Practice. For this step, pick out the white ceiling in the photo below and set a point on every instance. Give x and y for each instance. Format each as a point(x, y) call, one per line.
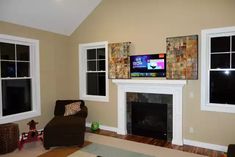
point(58, 16)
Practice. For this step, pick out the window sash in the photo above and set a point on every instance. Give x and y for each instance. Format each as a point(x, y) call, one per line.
point(84, 70)
point(21, 90)
point(206, 35)
point(33, 76)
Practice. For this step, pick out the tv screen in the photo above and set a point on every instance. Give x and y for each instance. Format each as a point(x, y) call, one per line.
point(148, 65)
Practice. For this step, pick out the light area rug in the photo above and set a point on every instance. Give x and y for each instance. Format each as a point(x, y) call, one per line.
point(63, 151)
point(95, 149)
point(36, 149)
point(113, 147)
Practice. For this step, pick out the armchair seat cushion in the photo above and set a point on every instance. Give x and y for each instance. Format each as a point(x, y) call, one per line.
point(68, 124)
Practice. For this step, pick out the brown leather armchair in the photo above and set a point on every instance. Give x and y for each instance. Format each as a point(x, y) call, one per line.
point(65, 130)
point(231, 150)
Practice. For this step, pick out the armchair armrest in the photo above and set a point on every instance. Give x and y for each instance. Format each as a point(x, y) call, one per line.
point(83, 112)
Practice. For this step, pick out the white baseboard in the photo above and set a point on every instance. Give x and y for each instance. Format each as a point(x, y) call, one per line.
point(103, 127)
point(206, 145)
point(185, 141)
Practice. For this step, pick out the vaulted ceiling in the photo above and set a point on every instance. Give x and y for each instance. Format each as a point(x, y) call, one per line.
point(58, 16)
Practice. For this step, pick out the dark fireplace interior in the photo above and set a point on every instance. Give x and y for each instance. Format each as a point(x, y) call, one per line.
point(149, 115)
point(149, 119)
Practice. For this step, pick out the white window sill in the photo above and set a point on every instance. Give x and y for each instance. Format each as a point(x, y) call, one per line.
point(95, 98)
point(19, 116)
point(218, 108)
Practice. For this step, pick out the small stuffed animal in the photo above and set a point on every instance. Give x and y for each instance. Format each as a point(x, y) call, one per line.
point(32, 128)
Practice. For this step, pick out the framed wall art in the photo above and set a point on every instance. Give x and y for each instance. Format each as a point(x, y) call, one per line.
point(182, 57)
point(119, 60)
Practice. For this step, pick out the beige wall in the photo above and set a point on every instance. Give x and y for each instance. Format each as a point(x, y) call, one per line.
point(53, 68)
point(147, 23)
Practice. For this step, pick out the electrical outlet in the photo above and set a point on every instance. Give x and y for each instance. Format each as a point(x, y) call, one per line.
point(191, 130)
point(191, 95)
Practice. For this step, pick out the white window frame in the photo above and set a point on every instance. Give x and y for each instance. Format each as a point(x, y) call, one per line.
point(35, 78)
point(205, 69)
point(82, 54)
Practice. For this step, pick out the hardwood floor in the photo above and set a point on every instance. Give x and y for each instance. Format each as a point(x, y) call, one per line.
point(161, 143)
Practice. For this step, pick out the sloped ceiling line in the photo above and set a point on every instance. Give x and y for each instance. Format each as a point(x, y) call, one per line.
point(58, 16)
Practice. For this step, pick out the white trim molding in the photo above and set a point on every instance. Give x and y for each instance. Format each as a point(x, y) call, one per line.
point(206, 35)
point(83, 70)
point(185, 141)
point(34, 76)
point(173, 87)
point(206, 145)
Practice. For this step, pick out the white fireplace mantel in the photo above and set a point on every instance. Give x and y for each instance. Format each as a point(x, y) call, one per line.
point(159, 82)
point(173, 87)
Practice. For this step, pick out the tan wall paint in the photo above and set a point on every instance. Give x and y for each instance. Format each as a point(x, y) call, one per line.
point(53, 68)
point(147, 24)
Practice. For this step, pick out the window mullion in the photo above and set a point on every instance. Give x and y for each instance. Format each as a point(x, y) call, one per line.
point(230, 52)
point(16, 68)
point(96, 59)
point(97, 84)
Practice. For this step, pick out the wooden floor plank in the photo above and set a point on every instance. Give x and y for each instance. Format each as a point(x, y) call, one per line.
point(161, 143)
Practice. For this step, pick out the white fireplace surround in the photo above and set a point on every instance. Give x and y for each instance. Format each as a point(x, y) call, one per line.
point(172, 87)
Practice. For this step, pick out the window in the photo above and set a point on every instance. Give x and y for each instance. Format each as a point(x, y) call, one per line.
point(93, 67)
point(218, 70)
point(20, 88)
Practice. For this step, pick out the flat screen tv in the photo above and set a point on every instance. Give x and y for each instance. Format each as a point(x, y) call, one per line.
point(153, 65)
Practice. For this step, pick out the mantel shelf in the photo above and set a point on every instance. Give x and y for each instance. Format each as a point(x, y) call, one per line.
point(156, 82)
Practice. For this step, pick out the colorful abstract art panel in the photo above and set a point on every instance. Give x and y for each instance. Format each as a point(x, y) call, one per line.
point(119, 60)
point(182, 57)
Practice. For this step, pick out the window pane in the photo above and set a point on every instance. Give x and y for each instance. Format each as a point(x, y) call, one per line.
point(7, 69)
point(233, 43)
point(101, 84)
point(16, 96)
point(233, 60)
point(22, 52)
point(22, 69)
point(101, 53)
point(101, 65)
point(220, 44)
point(222, 85)
point(91, 54)
point(91, 66)
point(220, 61)
point(96, 84)
point(92, 84)
point(7, 51)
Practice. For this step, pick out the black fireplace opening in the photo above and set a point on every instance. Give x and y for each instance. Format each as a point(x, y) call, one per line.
point(149, 119)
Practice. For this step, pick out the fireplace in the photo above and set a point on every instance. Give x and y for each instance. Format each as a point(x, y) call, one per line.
point(149, 115)
point(149, 119)
point(171, 87)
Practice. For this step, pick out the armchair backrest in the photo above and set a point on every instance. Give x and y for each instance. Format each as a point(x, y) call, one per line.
point(60, 106)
